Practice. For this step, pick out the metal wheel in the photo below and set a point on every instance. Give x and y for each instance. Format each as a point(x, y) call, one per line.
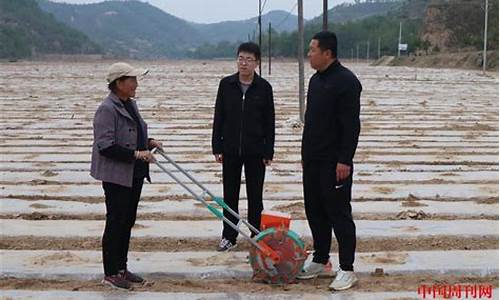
point(288, 246)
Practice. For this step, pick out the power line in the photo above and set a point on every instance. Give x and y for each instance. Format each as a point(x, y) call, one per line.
point(260, 33)
point(286, 17)
point(485, 46)
point(263, 6)
point(300, 56)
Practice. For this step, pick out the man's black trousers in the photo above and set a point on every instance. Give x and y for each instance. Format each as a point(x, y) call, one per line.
point(328, 205)
point(254, 177)
point(121, 212)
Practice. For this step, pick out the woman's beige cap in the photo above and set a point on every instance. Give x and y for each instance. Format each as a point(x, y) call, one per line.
point(120, 69)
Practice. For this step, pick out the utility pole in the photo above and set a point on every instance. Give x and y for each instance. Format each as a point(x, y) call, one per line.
point(357, 53)
point(485, 35)
point(352, 55)
point(300, 54)
point(325, 15)
point(367, 50)
point(269, 49)
point(378, 51)
point(260, 34)
point(399, 40)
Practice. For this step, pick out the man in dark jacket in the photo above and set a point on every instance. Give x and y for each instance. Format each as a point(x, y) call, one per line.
point(329, 141)
point(243, 135)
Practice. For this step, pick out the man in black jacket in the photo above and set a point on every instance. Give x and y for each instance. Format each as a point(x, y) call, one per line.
point(329, 141)
point(243, 135)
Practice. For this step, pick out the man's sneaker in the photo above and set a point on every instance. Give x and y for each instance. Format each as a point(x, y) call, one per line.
point(344, 280)
point(131, 277)
point(225, 245)
point(312, 270)
point(116, 281)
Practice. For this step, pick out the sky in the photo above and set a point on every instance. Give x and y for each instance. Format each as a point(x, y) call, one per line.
point(212, 11)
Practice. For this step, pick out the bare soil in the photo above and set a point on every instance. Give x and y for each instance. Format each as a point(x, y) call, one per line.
point(367, 283)
point(145, 244)
point(91, 199)
point(462, 60)
point(296, 212)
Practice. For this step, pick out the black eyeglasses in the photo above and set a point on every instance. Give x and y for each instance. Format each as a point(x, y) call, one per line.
point(247, 60)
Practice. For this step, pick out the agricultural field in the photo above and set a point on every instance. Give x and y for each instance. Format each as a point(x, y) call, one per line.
point(425, 193)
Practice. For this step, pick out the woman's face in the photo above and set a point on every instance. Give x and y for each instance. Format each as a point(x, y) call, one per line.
point(126, 87)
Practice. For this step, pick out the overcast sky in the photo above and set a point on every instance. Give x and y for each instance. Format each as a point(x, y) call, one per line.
point(211, 11)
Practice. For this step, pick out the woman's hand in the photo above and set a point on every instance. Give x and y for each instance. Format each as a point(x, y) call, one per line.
point(155, 144)
point(145, 155)
point(219, 158)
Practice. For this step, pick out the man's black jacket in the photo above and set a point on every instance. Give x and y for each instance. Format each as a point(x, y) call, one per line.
point(244, 124)
point(332, 124)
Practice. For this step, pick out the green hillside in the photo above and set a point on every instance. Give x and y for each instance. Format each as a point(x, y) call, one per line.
point(359, 10)
point(128, 28)
point(25, 31)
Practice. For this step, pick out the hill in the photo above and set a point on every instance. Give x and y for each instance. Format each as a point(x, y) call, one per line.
point(241, 30)
point(455, 25)
point(26, 31)
point(128, 28)
point(356, 11)
point(355, 30)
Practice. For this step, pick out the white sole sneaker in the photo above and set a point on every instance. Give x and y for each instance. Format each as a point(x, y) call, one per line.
point(230, 249)
point(227, 249)
point(323, 274)
point(320, 275)
point(344, 287)
point(109, 284)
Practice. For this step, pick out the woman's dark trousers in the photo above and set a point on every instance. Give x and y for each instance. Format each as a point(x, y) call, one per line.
point(121, 212)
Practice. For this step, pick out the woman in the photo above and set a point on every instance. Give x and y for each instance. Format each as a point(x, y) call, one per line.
point(120, 159)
